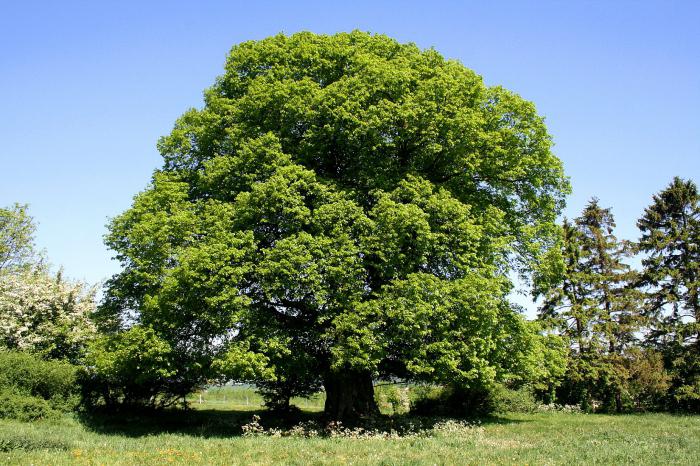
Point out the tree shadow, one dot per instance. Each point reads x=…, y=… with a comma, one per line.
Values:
x=216, y=423
x=500, y=420
x=429, y=422
x=208, y=423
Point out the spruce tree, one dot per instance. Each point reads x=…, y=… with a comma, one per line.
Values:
x=594, y=306
x=670, y=240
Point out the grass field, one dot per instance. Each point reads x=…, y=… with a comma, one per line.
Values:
x=211, y=434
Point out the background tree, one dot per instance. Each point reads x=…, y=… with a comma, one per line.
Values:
x=670, y=240
x=595, y=307
x=351, y=201
x=16, y=237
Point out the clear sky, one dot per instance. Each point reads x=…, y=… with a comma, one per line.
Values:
x=87, y=88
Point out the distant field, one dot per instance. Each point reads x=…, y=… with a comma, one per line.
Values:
x=211, y=433
x=242, y=397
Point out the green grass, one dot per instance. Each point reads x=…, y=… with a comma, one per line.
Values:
x=211, y=433
x=213, y=437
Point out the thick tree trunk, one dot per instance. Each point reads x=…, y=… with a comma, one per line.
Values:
x=349, y=396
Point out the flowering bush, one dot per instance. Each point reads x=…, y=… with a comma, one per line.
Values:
x=44, y=313
x=553, y=407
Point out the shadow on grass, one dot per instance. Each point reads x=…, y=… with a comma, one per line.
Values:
x=214, y=423
x=209, y=423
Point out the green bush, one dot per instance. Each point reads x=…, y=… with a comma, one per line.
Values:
x=132, y=369
x=392, y=399
x=457, y=401
x=453, y=401
x=25, y=408
x=507, y=400
x=31, y=374
x=32, y=388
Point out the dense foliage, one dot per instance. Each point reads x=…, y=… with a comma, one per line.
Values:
x=343, y=208
x=32, y=388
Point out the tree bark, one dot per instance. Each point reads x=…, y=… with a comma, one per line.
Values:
x=349, y=396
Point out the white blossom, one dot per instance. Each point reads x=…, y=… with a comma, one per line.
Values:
x=43, y=312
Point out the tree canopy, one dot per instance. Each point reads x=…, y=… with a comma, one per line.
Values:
x=342, y=208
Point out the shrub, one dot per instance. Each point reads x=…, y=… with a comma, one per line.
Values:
x=32, y=388
x=393, y=399
x=26, y=408
x=131, y=369
x=684, y=393
x=687, y=397
x=648, y=382
x=507, y=400
x=454, y=401
x=470, y=402
x=29, y=374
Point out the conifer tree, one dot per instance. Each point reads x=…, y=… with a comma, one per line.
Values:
x=670, y=239
x=594, y=306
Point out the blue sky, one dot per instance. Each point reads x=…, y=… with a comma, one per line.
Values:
x=87, y=88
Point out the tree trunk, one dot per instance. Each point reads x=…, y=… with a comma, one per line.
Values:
x=349, y=396
x=618, y=401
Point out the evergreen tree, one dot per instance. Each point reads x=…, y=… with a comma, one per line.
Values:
x=594, y=307
x=602, y=262
x=670, y=239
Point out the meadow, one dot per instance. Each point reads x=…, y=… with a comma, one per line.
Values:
x=218, y=431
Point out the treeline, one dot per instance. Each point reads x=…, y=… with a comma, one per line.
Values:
x=627, y=313
x=633, y=331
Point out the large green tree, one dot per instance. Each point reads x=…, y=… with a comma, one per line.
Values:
x=670, y=242
x=342, y=208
